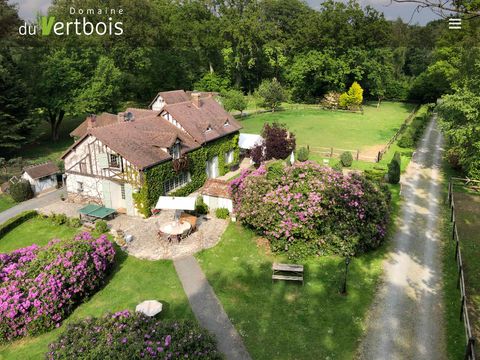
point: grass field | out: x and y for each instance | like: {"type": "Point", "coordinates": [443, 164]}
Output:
{"type": "Point", "coordinates": [284, 320]}
{"type": "Point", "coordinates": [467, 207]}
{"type": "Point", "coordinates": [6, 202]}
{"type": "Point", "coordinates": [344, 130]}
{"type": "Point", "coordinates": [131, 282]}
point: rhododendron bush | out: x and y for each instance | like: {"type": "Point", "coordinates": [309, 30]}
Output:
{"type": "Point", "coordinates": [133, 336]}
{"type": "Point", "coordinates": [40, 286]}
{"type": "Point", "coordinates": [308, 209]}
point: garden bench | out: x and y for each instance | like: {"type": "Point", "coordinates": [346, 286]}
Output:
{"type": "Point", "coordinates": [288, 272]}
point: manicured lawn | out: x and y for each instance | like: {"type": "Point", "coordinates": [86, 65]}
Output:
{"type": "Point", "coordinates": [132, 281]}
{"type": "Point", "coordinates": [284, 320]}
{"type": "Point", "coordinates": [344, 130]}
{"type": "Point", "coordinates": [6, 202]}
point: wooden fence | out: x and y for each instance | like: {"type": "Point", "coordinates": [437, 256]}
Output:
{"type": "Point", "coordinates": [470, 340]}
{"type": "Point", "coordinates": [397, 134]}
{"type": "Point", "coordinates": [330, 152]}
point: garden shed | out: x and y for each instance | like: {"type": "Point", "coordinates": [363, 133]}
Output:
{"type": "Point", "coordinates": [216, 194]}
{"type": "Point", "coordinates": [42, 177]}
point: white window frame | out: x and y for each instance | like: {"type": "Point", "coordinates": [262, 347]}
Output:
{"type": "Point", "coordinates": [176, 182]}
{"type": "Point", "coordinates": [175, 151]}
{"type": "Point", "coordinates": [114, 163]}
{"type": "Point", "coordinates": [229, 157]}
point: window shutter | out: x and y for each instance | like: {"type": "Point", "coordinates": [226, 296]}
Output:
{"type": "Point", "coordinates": [106, 194]}
{"type": "Point", "coordinates": [102, 160]}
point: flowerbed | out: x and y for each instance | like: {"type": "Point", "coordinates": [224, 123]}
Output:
{"type": "Point", "coordinates": [133, 336]}
{"type": "Point", "coordinates": [308, 209]}
{"type": "Point", "coordinates": [40, 286]}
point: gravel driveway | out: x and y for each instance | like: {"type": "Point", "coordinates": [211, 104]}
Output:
{"type": "Point", "coordinates": [406, 321]}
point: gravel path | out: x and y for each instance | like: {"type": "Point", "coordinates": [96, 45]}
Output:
{"type": "Point", "coordinates": [208, 310]}
{"type": "Point", "coordinates": [406, 321]}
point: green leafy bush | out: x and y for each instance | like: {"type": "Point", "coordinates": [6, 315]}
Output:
{"type": "Point", "coordinates": [394, 168]}
{"type": "Point", "coordinates": [13, 222]}
{"type": "Point", "coordinates": [302, 154]}
{"type": "Point", "coordinates": [21, 191]}
{"type": "Point", "coordinates": [222, 213]}
{"type": "Point", "coordinates": [74, 222]}
{"type": "Point", "coordinates": [338, 166]}
{"type": "Point", "coordinates": [375, 174]}
{"type": "Point", "coordinates": [200, 206]}
{"type": "Point", "coordinates": [275, 170]}
{"type": "Point", "coordinates": [101, 226]}
{"type": "Point", "coordinates": [346, 159]}
{"type": "Point", "coordinates": [125, 336]}
{"type": "Point", "coordinates": [58, 219]}
{"type": "Point", "coordinates": [415, 129]}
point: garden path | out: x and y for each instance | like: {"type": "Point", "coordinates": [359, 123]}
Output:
{"type": "Point", "coordinates": [208, 310]}
{"type": "Point", "coordinates": [406, 320]}
{"type": "Point", "coordinates": [32, 204]}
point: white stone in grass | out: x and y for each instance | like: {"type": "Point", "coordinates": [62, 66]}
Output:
{"type": "Point", "coordinates": [149, 307]}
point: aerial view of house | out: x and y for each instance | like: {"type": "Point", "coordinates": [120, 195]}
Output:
{"type": "Point", "coordinates": [256, 179]}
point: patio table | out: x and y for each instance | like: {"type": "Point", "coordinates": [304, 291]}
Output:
{"type": "Point", "coordinates": [175, 228]}
{"type": "Point", "coordinates": [96, 211]}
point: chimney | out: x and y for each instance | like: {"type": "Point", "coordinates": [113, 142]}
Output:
{"type": "Point", "coordinates": [196, 99]}
{"type": "Point", "coordinates": [91, 121]}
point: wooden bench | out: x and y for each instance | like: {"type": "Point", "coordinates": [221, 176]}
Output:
{"type": "Point", "coordinates": [288, 272]}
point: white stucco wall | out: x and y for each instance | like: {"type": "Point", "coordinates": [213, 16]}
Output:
{"type": "Point", "coordinates": [214, 202]}
{"type": "Point", "coordinates": [42, 184]}
{"type": "Point", "coordinates": [92, 187]}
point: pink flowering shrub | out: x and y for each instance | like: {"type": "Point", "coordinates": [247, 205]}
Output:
{"type": "Point", "coordinates": [309, 209]}
{"type": "Point", "coordinates": [40, 286]}
{"type": "Point", "coordinates": [133, 336]}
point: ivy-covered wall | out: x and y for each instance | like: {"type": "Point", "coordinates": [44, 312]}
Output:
{"type": "Point", "coordinates": [155, 177]}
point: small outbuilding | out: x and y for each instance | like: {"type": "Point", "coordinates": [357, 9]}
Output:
{"type": "Point", "coordinates": [42, 177]}
{"type": "Point", "coordinates": [216, 194]}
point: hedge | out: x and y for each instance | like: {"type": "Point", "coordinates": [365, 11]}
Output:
{"type": "Point", "coordinates": [13, 222]}
{"type": "Point", "coordinates": [415, 130]}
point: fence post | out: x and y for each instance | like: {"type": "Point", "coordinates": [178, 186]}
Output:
{"type": "Point", "coordinates": [453, 230]}
{"type": "Point", "coordinates": [461, 307]}
{"type": "Point", "coordinates": [457, 244]}
{"type": "Point", "coordinates": [379, 156]}
{"type": "Point", "coordinates": [358, 154]}
{"type": "Point", "coordinates": [460, 270]}
{"type": "Point", "coordinates": [468, 350]}
{"type": "Point", "coordinates": [331, 152]}
{"type": "Point", "coordinates": [451, 213]}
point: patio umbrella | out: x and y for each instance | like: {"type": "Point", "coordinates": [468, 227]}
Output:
{"type": "Point", "coordinates": [149, 307]}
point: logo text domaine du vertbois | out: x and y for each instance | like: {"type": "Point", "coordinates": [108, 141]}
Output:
{"type": "Point", "coordinates": [80, 26]}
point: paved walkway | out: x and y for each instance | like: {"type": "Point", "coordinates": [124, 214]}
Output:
{"type": "Point", "coordinates": [406, 321]}
{"type": "Point", "coordinates": [208, 309]}
{"type": "Point", "coordinates": [31, 204]}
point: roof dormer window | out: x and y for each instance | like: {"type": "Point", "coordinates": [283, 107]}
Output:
{"type": "Point", "coordinates": [227, 123]}
{"type": "Point", "coordinates": [175, 150]}
{"type": "Point", "coordinates": [209, 128]}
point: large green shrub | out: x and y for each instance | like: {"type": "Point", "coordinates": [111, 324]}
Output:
{"type": "Point", "coordinates": [302, 154]}
{"type": "Point", "coordinates": [101, 226]}
{"type": "Point", "coordinates": [275, 170]}
{"type": "Point", "coordinates": [394, 169]}
{"type": "Point", "coordinates": [313, 210]}
{"type": "Point", "coordinates": [126, 336]}
{"type": "Point", "coordinates": [346, 158]}
{"type": "Point", "coordinates": [21, 191]}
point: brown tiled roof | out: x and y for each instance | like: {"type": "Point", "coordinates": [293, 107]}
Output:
{"type": "Point", "coordinates": [217, 188]}
{"type": "Point", "coordinates": [100, 120]}
{"type": "Point", "coordinates": [141, 141]}
{"type": "Point", "coordinates": [209, 115]}
{"type": "Point", "coordinates": [41, 170]}
{"type": "Point", "coordinates": [172, 97]}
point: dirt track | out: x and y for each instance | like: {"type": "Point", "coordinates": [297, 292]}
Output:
{"type": "Point", "coordinates": [406, 321]}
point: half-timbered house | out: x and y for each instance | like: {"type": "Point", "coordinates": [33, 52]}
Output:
{"type": "Point", "coordinates": [111, 163]}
